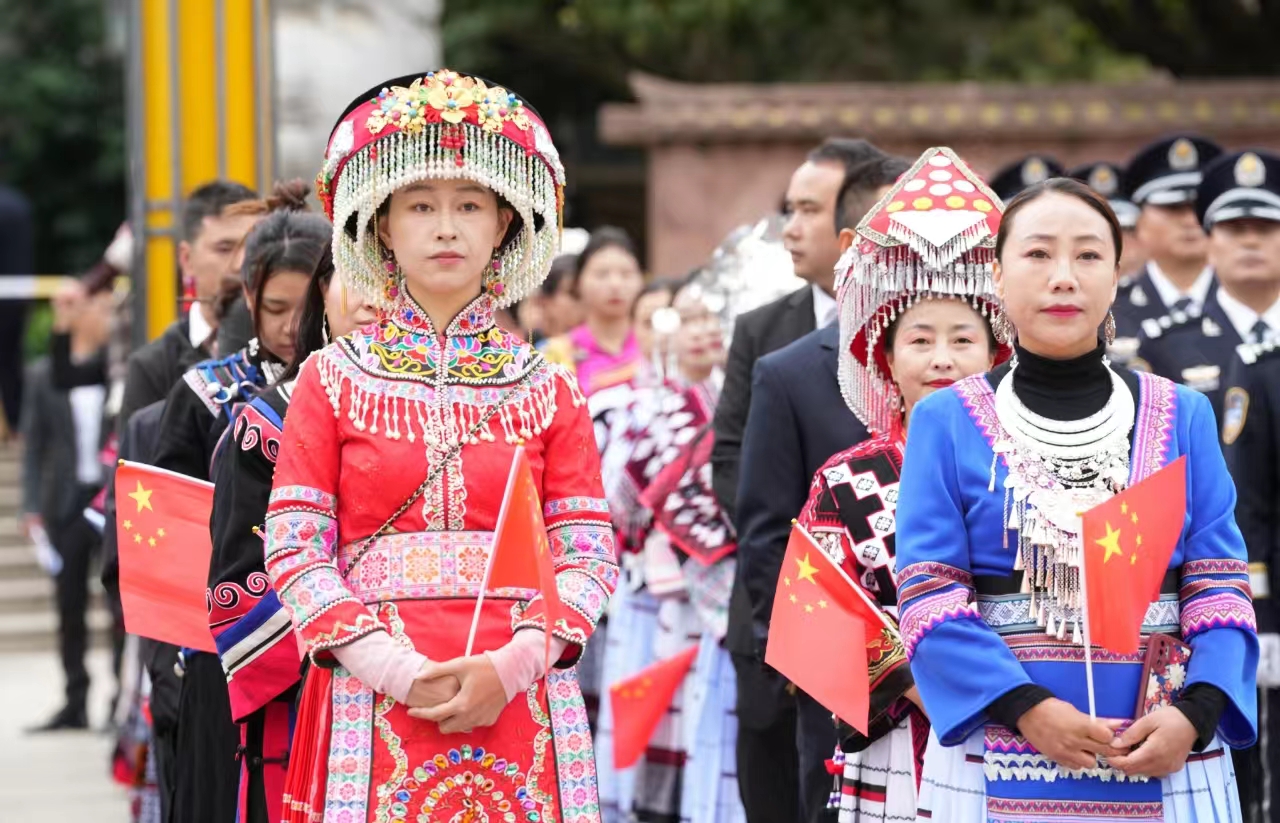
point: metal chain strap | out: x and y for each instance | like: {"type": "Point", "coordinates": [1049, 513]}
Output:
{"type": "Point", "coordinates": [442, 465]}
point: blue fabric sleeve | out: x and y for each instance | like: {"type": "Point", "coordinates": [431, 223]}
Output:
{"type": "Point", "coordinates": [941, 626]}
{"type": "Point", "coordinates": [1217, 612]}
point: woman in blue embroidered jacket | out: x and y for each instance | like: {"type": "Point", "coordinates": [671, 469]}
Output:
{"type": "Point", "coordinates": [249, 624]}
{"type": "Point", "coordinates": [997, 471]}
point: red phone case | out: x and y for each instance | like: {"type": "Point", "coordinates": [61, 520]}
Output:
{"type": "Point", "coordinates": [1164, 673]}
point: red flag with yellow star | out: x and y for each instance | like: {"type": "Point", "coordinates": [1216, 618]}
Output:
{"type": "Point", "coordinates": [819, 633]}
{"type": "Point", "coordinates": [640, 701]}
{"type": "Point", "coordinates": [162, 526]}
{"type": "Point", "coordinates": [1128, 542]}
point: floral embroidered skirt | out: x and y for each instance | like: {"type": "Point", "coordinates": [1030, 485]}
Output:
{"type": "Point", "coordinates": [358, 756]}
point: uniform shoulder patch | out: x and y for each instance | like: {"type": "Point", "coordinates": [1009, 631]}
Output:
{"type": "Point", "coordinates": [1235, 408]}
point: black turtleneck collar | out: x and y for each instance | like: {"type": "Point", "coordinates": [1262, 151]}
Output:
{"type": "Point", "coordinates": [1060, 389]}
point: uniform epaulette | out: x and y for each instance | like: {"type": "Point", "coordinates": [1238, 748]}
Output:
{"type": "Point", "coordinates": [1251, 353]}
{"type": "Point", "coordinates": [1154, 327]}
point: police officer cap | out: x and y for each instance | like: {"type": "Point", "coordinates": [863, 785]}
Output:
{"type": "Point", "coordinates": [1107, 179]}
{"type": "Point", "coordinates": [1237, 185]}
{"type": "Point", "coordinates": [1167, 172]}
{"type": "Point", "coordinates": [1032, 169]}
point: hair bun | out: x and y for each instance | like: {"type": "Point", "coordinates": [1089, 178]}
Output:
{"type": "Point", "coordinates": [289, 195]}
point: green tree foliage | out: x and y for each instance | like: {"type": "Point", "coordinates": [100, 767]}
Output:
{"type": "Point", "coordinates": [592, 44]}
{"type": "Point", "coordinates": [1192, 38]}
{"type": "Point", "coordinates": [62, 126]}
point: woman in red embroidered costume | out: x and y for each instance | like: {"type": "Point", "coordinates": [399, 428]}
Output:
{"type": "Point", "coordinates": [912, 320]}
{"type": "Point", "coordinates": [445, 193]}
{"type": "Point", "coordinates": [249, 624]}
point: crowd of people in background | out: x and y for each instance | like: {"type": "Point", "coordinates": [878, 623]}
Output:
{"type": "Point", "coordinates": [714, 432]}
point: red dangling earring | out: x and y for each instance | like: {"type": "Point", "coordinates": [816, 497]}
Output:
{"type": "Point", "coordinates": [494, 283]}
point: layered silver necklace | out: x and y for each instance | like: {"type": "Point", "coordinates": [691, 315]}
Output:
{"type": "Point", "coordinates": [1058, 469]}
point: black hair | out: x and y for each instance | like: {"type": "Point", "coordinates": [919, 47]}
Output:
{"type": "Point", "coordinates": [1061, 185]}
{"type": "Point", "coordinates": [311, 325]}
{"type": "Point", "coordinates": [657, 284]}
{"type": "Point", "coordinates": [602, 238]}
{"type": "Point", "coordinates": [563, 267]}
{"type": "Point", "coordinates": [209, 200]}
{"type": "Point", "coordinates": [890, 333]}
{"type": "Point", "coordinates": [857, 192]}
{"type": "Point", "coordinates": [283, 241]}
{"type": "Point", "coordinates": [846, 151]}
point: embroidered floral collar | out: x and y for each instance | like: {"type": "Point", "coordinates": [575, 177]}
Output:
{"type": "Point", "coordinates": [475, 318]}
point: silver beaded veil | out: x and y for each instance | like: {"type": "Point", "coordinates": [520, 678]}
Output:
{"type": "Point", "coordinates": [931, 235]}
{"type": "Point", "coordinates": [442, 125]}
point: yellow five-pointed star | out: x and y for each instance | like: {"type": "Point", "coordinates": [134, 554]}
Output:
{"type": "Point", "coordinates": [1111, 542]}
{"type": "Point", "coordinates": [151, 541]}
{"type": "Point", "coordinates": [137, 538]}
{"type": "Point", "coordinates": [808, 607]}
{"type": "Point", "coordinates": [807, 570]}
{"type": "Point", "coordinates": [159, 532]}
{"type": "Point", "coordinates": [128, 524]}
{"type": "Point", "coordinates": [142, 497]}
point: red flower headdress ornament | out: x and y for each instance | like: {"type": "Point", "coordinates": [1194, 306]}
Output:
{"type": "Point", "coordinates": [932, 235]}
{"type": "Point", "coordinates": [442, 125]}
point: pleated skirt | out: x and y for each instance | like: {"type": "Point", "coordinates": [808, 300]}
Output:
{"type": "Point", "coordinates": [953, 788]}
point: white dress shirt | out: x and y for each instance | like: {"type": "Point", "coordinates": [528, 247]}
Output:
{"type": "Point", "coordinates": [1170, 294]}
{"type": "Point", "coordinates": [198, 329]}
{"type": "Point", "coordinates": [86, 415]}
{"type": "Point", "coordinates": [824, 308]}
{"type": "Point", "coordinates": [1243, 318]}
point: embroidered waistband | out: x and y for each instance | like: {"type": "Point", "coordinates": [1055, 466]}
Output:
{"type": "Point", "coordinates": [422, 565]}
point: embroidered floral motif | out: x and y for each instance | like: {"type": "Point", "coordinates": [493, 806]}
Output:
{"type": "Point", "coordinates": [466, 784]}
{"type": "Point", "coordinates": [575, 757]}
{"type": "Point", "coordinates": [446, 96]}
{"type": "Point", "coordinates": [254, 431]}
{"type": "Point", "coordinates": [350, 748]}
{"type": "Point", "coordinates": [304, 494]}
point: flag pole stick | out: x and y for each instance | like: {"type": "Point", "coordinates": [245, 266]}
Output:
{"type": "Point", "coordinates": [493, 552]}
{"type": "Point", "coordinates": [1088, 640]}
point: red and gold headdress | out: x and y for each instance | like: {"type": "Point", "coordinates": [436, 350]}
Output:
{"type": "Point", "coordinates": [932, 235]}
{"type": "Point", "coordinates": [442, 125]}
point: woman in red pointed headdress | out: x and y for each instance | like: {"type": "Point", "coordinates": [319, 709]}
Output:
{"type": "Point", "coordinates": [915, 299]}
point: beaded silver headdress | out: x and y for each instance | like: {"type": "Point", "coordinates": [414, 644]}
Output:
{"type": "Point", "coordinates": [442, 125]}
{"type": "Point", "coordinates": [931, 235]}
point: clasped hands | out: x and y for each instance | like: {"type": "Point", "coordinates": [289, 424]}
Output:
{"type": "Point", "coordinates": [1072, 739]}
{"type": "Point", "coordinates": [460, 694]}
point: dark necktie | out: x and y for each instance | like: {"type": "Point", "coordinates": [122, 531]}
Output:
{"type": "Point", "coordinates": [1260, 331]}
{"type": "Point", "coordinates": [1182, 304]}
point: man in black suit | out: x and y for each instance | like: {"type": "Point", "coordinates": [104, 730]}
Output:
{"type": "Point", "coordinates": [769, 763]}
{"type": "Point", "coordinates": [62, 474]}
{"type": "Point", "coordinates": [209, 242]}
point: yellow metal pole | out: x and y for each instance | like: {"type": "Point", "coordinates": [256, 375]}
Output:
{"type": "Point", "coordinates": [240, 101]}
{"type": "Point", "coordinates": [203, 89]}
{"type": "Point", "coordinates": [159, 161]}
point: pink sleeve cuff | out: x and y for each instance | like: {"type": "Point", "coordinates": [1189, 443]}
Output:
{"type": "Point", "coordinates": [521, 662]}
{"type": "Point", "coordinates": [382, 664]}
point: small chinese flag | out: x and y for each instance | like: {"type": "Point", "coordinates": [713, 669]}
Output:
{"type": "Point", "coordinates": [640, 701]}
{"type": "Point", "coordinates": [821, 625]}
{"type": "Point", "coordinates": [521, 556]}
{"type": "Point", "coordinates": [1128, 542]}
{"type": "Point", "coordinates": [162, 526]}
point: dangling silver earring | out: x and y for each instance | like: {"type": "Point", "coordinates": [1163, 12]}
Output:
{"type": "Point", "coordinates": [1001, 327]}
{"type": "Point", "coordinates": [324, 329]}
{"type": "Point", "coordinates": [1109, 328]}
